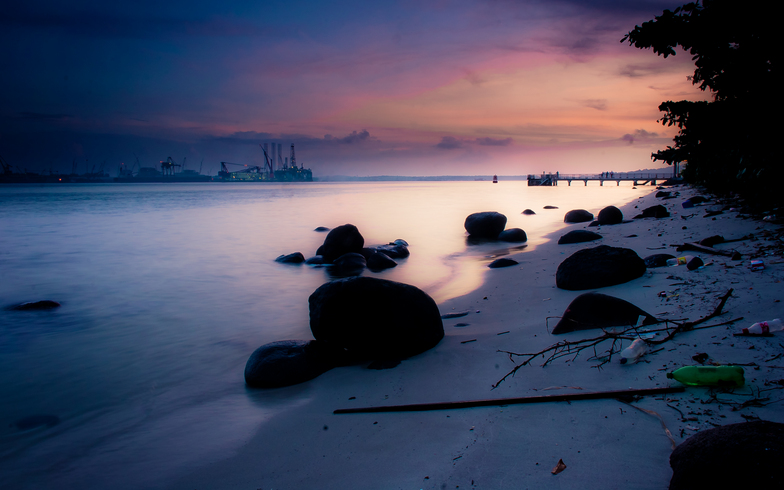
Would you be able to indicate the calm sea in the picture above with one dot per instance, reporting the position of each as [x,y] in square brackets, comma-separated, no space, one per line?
[166,289]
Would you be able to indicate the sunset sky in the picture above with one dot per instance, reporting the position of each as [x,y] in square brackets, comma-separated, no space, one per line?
[463,87]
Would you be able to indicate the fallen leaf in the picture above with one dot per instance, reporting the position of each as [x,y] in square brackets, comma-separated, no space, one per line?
[559,467]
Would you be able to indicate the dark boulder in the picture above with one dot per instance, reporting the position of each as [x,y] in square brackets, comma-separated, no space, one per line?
[502,262]
[35,306]
[598,267]
[350,264]
[321,229]
[657,260]
[488,224]
[663,194]
[374,318]
[610,216]
[293,258]
[288,362]
[578,216]
[748,454]
[596,310]
[698,199]
[341,240]
[550,207]
[657,211]
[379,261]
[578,236]
[394,250]
[513,235]
[528,212]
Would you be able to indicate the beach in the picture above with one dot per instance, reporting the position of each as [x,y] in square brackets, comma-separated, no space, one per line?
[603,443]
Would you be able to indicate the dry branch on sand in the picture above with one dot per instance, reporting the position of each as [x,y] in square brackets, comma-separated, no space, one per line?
[573,349]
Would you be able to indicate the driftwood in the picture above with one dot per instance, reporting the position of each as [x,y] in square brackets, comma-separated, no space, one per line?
[595,395]
[696,247]
[573,349]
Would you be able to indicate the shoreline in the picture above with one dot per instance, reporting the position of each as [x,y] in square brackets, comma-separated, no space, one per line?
[602,442]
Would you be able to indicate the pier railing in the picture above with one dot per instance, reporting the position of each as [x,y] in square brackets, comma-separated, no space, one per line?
[638,178]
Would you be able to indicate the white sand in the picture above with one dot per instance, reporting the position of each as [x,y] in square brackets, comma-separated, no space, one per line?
[604,443]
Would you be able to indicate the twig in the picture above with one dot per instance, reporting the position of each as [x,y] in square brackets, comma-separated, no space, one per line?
[574,348]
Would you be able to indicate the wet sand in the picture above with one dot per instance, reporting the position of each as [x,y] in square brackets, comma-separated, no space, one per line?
[301,443]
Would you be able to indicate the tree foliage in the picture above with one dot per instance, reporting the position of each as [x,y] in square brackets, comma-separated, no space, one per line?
[727,143]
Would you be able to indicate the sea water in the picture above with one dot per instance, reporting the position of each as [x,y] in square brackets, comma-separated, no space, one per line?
[166,289]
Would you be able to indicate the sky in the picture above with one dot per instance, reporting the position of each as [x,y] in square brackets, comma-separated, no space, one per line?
[428,87]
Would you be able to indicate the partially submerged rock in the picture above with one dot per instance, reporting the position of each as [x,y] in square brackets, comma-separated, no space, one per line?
[502,262]
[488,224]
[528,212]
[288,362]
[374,318]
[378,261]
[350,264]
[578,216]
[292,258]
[341,240]
[748,454]
[516,235]
[35,305]
[596,310]
[578,236]
[599,267]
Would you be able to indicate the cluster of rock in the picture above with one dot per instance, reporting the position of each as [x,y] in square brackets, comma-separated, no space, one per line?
[344,248]
[354,319]
[490,225]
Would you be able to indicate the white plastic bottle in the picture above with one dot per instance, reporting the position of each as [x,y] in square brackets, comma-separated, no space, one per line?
[635,351]
[765,327]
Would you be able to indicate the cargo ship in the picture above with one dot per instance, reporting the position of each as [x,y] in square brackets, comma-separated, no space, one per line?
[284,170]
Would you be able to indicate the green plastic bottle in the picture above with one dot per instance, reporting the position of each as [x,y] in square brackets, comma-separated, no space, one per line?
[726,376]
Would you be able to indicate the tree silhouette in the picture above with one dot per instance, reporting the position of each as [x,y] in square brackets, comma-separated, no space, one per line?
[728,143]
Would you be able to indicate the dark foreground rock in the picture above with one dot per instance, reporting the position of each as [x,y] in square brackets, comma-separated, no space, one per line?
[578,216]
[528,212]
[374,318]
[657,211]
[596,310]
[488,224]
[288,362]
[578,236]
[657,260]
[341,240]
[599,267]
[748,455]
[502,262]
[35,306]
[293,258]
[610,216]
[515,235]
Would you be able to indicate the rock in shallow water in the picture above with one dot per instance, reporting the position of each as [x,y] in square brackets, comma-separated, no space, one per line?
[487,224]
[288,362]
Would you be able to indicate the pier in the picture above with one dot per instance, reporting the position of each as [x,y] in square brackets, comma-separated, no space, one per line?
[638,178]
